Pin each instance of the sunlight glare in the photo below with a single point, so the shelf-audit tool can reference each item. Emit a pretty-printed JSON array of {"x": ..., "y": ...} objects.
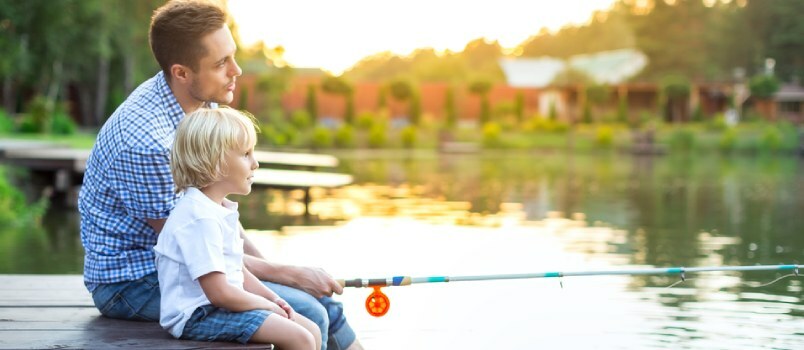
[{"x": 334, "y": 35}]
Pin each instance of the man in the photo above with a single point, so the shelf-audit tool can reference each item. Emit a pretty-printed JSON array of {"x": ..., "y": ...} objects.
[{"x": 128, "y": 189}]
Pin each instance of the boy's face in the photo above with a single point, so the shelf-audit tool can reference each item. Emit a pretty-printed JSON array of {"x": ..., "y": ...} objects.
[
  {"x": 217, "y": 71},
  {"x": 239, "y": 170}
]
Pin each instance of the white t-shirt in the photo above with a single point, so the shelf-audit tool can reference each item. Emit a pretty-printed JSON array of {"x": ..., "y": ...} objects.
[{"x": 199, "y": 237}]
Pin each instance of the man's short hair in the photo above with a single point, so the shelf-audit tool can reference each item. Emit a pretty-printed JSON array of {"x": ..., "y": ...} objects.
[
  {"x": 177, "y": 29},
  {"x": 198, "y": 155}
]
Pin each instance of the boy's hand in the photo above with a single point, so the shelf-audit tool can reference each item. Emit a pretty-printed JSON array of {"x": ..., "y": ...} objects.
[{"x": 285, "y": 307}]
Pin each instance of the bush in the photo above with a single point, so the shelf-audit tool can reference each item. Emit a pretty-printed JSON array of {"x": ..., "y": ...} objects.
[
  {"x": 682, "y": 139},
  {"x": 604, "y": 136},
  {"x": 6, "y": 123},
  {"x": 322, "y": 137},
  {"x": 63, "y": 124},
  {"x": 728, "y": 140},
  {"x": 771, "y": 139},
  {"x": 492, "y": 135},
  {"x": 717, "y": 123},
  {"x": 365, "y": 120},
  {"x": 345, "y": 136},
  {"x": 301, "y": 119},
  {"x": 408, "y": 136},
  {"x": 377, "y": 136}
]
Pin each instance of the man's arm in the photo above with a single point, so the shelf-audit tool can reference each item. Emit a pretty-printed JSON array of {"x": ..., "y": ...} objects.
[
  {"x": 315, "y": 281},
  {"x": 156, "y": 224}
]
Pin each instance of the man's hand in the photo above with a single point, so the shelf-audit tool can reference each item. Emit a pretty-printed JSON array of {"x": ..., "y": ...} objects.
[{"x": 315, "y": 281}]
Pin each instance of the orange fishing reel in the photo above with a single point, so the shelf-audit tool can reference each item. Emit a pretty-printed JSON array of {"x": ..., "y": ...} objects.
[{"x": 377, "y": 303}]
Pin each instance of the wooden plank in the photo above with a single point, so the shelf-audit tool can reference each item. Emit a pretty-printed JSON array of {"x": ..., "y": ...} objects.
[
  {"x": 14, "y": 144},
  {"x": 50, "y": 158},
  {"x": 296, "y": 159},
  {"x": 292, "y": 179},
  {"x": 38, "y": 311}
]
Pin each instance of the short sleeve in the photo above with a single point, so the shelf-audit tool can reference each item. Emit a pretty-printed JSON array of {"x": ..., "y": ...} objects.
[
  {"x": 144, "y": 182},
  {"x": 200, "y": 244}
]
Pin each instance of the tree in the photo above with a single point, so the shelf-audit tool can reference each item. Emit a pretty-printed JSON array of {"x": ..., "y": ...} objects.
[
  {"x": 481, "y": 88},
  {"x": 311, "y": 103},
  {"x": 449, "y": 106},
  {"x": 339, "y": 86}
]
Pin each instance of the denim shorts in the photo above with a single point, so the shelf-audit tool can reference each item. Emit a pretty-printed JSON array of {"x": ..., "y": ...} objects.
[
  {"x": 210, "y": 323},
  {"x": 131, "y": 300}
]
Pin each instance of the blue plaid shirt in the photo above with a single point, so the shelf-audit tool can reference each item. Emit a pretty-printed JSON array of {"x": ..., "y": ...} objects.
[{"x": 128, "y": 180}]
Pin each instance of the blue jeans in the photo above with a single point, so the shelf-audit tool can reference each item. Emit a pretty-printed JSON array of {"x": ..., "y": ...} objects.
[
  {"x": 139, "y": 300},
  {"x": 336, "y": 334},
  {"x": 131, "y": 300}
]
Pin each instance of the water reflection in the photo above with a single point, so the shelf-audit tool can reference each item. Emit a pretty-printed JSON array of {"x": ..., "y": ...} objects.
[{"x": 426, "y": 214}]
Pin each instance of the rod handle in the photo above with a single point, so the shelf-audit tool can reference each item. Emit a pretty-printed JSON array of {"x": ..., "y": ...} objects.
[{"x": 350, "y": 283}]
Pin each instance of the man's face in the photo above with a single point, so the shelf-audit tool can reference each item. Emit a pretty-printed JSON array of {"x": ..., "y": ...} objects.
[{"x": 217, "y": 71}]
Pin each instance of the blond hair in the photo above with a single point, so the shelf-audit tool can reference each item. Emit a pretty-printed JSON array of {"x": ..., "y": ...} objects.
[{"x": 198, "y": 155}]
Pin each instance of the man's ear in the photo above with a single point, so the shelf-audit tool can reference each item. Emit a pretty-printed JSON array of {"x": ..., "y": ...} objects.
[{"x": 179, "y": 72}]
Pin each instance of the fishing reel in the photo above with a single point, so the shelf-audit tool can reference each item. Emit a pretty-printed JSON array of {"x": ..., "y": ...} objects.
[{"x": 377, "y": 303}]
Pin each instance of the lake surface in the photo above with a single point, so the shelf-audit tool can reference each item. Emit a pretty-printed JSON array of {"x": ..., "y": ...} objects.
[{"x": 424, "y": 214}]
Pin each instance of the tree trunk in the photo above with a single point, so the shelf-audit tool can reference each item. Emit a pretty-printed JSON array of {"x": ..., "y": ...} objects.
[
  {"x": 102, "y": 91},
  {"x": 54, "y": 85},
  {"x": 128, "y": 74},
  {"x": 8, "y": 96}
]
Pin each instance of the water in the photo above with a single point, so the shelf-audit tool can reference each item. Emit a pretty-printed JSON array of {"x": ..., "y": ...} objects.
[{"x": 425, "y": 214}]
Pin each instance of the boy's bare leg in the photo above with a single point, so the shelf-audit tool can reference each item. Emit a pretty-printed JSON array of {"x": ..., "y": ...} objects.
[{"x": 286, "y": 334}]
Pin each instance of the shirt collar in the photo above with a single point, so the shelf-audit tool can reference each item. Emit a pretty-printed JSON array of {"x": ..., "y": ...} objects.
[
  {"x": 175, "y": 113},
  {"x": 223, "y": 211}
]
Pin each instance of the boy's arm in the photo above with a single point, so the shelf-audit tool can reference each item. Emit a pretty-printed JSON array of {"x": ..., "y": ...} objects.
[
  {"x": 221, "y": 294},
  {"x": 314, "y": 281}
]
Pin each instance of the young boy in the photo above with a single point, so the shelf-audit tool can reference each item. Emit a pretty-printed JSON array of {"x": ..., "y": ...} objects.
[{"x": 207, "y": 293}]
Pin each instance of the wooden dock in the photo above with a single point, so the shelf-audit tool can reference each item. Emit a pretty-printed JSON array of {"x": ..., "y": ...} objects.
[
  {"x": 57, "y": 312},
  {"x": 64, "y": 168}
]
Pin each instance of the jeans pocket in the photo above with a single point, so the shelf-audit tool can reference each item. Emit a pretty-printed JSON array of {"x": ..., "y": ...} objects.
[{"x": 119, "y": 307}]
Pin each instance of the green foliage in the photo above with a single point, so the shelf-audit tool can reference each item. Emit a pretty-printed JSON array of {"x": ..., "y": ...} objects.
[
  {"x": 717, "y": 123},
  {"x": 301, "y": 119},
  {"x": 321, "y": 138},
  {"x": 771, "y": 140},
  {"x": 598, "y": 94},
  {"x": 366, "y": 120},
  {"x": 552, "y": 114},
  {"x": 62, "y": 124},
  {"x": 682, "y": 140},
  {"x": 377, "y": 136},
  {"x": 408, "y": 136},
  {"x": 485, "y": 110},
  {"x": 763, "y": 86},
  {"x": 401, "y": 89},
  {"x": 415, "y": 110},
  {"x": 311, "y": 103},
  {"x": 604, "y": 136},
  {"x": 345, "y": 136},
  {"x": 14, "y": 210},
  {"x": 586, "y": 117},
  {"x": 480, "y": 87},
  {"x": 349, "y": 114},
  {"x": 242, "y": 102},
  {"x": 675, "y": 86},
  {"x": 519, "y": 107},
  {"x": 6, "y": 123},
  {"x": 37, "y": 118},
  {"x": 728, "y": 140},
  {"x": 697, "y": 114},
  {"x": 450, "y": 111},
  {"x": 622, "y": 109},
  {"x": 492, "y": 135}
]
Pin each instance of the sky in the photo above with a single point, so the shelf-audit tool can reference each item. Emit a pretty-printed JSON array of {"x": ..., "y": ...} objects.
[{"x": 336, "y": 34}]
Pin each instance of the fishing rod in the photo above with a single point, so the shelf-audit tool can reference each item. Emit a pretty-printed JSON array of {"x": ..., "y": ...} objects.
[{"x": 377, "y": 303}]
